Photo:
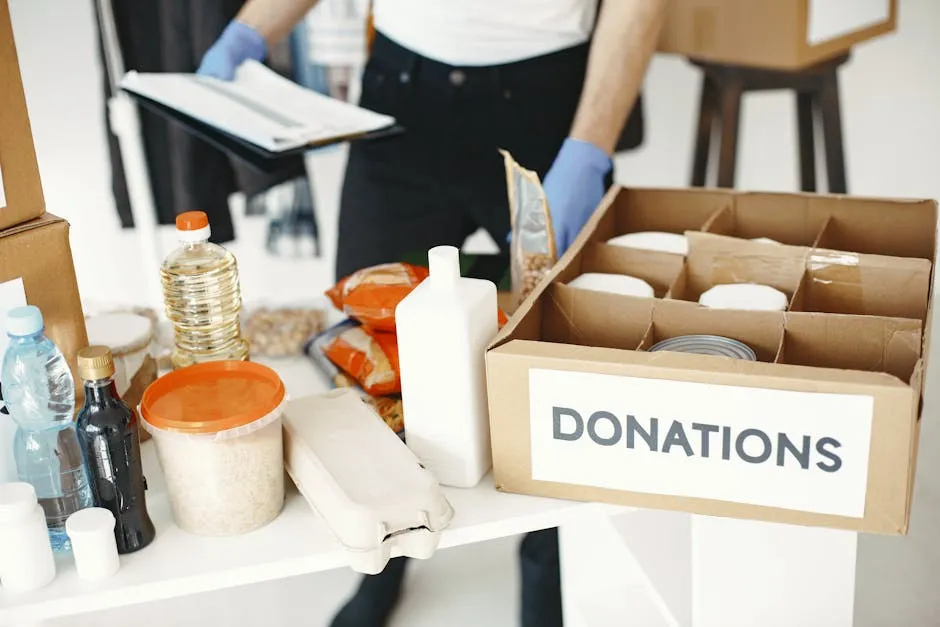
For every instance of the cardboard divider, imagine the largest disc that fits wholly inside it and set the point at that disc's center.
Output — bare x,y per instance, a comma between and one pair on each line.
772,216
865,285
658,269
867,343
762,331
668,210
876,227
720,260
588,318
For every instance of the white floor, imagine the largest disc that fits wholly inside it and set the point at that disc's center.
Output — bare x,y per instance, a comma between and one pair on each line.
891,111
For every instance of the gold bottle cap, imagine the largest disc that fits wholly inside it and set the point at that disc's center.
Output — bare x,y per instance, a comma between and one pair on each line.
95,363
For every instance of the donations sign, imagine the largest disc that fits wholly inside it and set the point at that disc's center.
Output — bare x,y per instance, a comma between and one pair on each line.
776,448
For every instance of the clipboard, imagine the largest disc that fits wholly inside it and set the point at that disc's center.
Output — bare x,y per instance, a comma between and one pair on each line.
251,154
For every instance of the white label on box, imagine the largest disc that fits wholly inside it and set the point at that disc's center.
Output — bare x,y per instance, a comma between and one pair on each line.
12,294
830,19
3,197
777,448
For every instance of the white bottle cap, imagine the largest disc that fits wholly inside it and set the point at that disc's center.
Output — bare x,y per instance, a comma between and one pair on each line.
614,284
17,501
747,296
94,547
653,240
444,265
24,321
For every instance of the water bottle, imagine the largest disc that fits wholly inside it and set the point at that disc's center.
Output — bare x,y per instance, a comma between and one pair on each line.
40,395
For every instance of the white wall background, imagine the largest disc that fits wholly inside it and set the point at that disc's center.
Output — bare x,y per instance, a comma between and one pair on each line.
891,116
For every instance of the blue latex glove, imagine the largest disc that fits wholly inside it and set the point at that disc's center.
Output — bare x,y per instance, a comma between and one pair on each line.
238,43
574,186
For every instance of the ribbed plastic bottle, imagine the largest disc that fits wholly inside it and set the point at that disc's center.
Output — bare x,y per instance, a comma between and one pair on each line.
443,327
107,432
39,392
202,297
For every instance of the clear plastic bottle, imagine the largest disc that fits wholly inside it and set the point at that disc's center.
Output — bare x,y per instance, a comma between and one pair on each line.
202,296
40,394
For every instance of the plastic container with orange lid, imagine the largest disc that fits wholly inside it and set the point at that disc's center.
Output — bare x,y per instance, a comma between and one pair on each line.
217,429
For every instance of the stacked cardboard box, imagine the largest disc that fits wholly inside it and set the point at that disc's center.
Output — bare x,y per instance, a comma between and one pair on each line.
781,34
35,258
20,189
821,430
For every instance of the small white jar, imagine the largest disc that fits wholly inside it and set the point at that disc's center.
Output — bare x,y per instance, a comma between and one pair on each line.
613,284
26,561
744,296
94,547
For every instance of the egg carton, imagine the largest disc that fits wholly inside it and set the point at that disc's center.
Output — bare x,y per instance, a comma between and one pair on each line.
367,486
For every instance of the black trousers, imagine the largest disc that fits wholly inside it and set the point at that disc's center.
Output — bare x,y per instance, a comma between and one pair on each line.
443,178
436,184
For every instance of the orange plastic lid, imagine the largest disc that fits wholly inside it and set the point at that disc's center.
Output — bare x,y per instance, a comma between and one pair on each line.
212,397
192,221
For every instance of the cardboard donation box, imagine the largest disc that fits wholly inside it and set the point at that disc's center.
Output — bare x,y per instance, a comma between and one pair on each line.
782,34
820,430
36,269
20,187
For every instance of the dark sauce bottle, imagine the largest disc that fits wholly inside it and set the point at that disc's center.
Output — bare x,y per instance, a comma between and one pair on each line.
107,431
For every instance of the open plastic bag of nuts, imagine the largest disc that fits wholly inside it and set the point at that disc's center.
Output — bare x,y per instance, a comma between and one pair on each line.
532,247
281,331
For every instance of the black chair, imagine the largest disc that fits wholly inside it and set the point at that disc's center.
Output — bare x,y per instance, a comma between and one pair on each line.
816,88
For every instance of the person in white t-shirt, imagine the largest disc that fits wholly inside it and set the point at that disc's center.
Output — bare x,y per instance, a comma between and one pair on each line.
551,81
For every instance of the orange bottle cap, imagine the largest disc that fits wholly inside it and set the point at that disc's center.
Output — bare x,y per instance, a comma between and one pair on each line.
192,221
211,397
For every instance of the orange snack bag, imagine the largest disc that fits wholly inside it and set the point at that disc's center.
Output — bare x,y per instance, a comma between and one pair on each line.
501,318
369,358
371,295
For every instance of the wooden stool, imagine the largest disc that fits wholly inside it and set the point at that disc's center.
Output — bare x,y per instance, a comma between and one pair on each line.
816,87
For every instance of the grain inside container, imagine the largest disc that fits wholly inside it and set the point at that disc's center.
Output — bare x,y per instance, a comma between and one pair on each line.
217,429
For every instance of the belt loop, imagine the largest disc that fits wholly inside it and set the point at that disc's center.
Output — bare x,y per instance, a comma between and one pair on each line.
408,70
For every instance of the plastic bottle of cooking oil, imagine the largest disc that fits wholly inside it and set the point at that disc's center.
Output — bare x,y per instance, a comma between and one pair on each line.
202,296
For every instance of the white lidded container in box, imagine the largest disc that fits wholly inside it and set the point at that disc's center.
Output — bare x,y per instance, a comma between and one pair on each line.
444,326
359,476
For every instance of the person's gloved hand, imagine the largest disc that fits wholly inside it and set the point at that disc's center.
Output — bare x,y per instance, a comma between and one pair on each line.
237,43
574,186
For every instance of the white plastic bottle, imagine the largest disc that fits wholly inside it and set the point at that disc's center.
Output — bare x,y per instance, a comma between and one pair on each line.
26,561
443,328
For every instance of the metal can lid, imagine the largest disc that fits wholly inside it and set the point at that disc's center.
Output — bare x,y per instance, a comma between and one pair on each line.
706,345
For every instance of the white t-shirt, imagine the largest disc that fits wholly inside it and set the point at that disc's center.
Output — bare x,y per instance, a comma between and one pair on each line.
485,32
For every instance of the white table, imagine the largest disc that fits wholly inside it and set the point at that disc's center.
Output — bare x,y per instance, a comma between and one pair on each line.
650,568
297,542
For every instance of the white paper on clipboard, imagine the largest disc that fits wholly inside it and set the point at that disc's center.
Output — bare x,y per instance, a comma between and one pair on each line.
258,106
830,19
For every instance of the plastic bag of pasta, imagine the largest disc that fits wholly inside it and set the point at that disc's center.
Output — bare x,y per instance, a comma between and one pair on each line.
532,245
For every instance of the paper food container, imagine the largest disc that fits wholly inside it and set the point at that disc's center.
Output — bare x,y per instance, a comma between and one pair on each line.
820,430
363,481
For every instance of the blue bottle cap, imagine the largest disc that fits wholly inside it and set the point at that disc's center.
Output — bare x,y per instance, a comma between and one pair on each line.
22,321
